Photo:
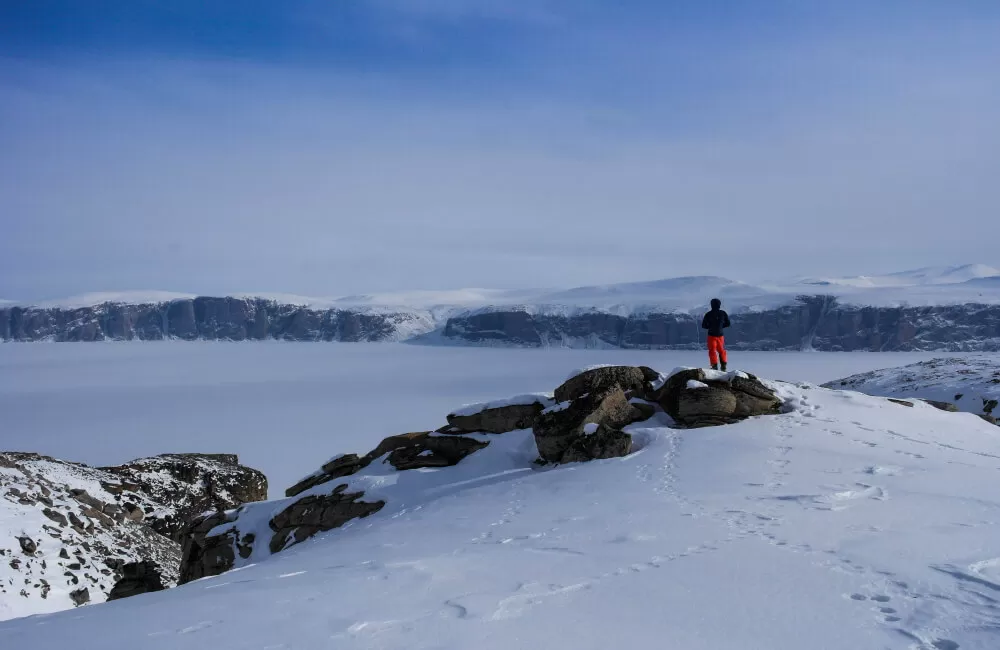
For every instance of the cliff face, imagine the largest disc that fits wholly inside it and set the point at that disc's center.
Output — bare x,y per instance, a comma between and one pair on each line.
227,318
811,322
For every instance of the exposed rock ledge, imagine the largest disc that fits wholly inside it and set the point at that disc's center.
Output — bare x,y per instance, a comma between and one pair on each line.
590,421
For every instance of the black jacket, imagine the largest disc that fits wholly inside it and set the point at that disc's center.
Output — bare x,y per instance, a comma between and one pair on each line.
715,321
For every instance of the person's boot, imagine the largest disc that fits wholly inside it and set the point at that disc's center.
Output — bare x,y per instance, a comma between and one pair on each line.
715,366
723,366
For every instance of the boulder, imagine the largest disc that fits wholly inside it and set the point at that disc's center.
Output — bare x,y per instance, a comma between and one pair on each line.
901,402
432,450
317,513
80,596
137,578
496,420
605,442
133,512
57,517
28,545
630,379
694,400
405,451
558,427
338,467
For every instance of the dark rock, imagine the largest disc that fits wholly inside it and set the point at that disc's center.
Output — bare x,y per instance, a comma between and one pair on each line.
642,411
83,497
432,450
137,578
133,512
558,427
28,545
338,467
596,380
496,420
76,521
57,517
989,405
718,401
197,483
987,417
901,402
603,443
80,596
405,451
202,555
312,514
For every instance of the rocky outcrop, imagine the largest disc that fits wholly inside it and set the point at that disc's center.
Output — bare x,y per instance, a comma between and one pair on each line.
630,379
702,398
209,318
589,424
603,442
404,451
211,542
498,417
89,524
559,427
190,483
811,322
137,578
317,513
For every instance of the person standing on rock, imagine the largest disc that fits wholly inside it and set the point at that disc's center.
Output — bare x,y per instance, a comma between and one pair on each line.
715,322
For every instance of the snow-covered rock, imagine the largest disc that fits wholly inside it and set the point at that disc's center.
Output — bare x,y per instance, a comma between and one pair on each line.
588,425
972,383
66,527
499,416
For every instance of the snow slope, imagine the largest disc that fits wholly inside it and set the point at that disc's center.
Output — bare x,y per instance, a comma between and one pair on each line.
931,275
968,382
68,558
126,297
918,287
848,522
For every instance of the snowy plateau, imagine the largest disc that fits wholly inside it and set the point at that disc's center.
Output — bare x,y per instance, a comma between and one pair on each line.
843,521
941,308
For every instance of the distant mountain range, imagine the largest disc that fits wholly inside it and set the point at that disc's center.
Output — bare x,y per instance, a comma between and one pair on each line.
935,308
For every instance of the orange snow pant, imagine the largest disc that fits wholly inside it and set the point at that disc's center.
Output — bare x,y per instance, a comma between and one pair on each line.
717,349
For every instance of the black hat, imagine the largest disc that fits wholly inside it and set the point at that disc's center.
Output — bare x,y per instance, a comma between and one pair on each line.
716,303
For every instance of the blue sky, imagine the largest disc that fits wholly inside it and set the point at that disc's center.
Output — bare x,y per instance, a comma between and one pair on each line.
344,147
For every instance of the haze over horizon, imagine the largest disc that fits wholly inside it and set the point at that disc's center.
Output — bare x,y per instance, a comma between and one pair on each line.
336,149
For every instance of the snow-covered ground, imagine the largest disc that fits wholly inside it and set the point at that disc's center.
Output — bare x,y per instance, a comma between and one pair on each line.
970,382
285,406
848,522
945,285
